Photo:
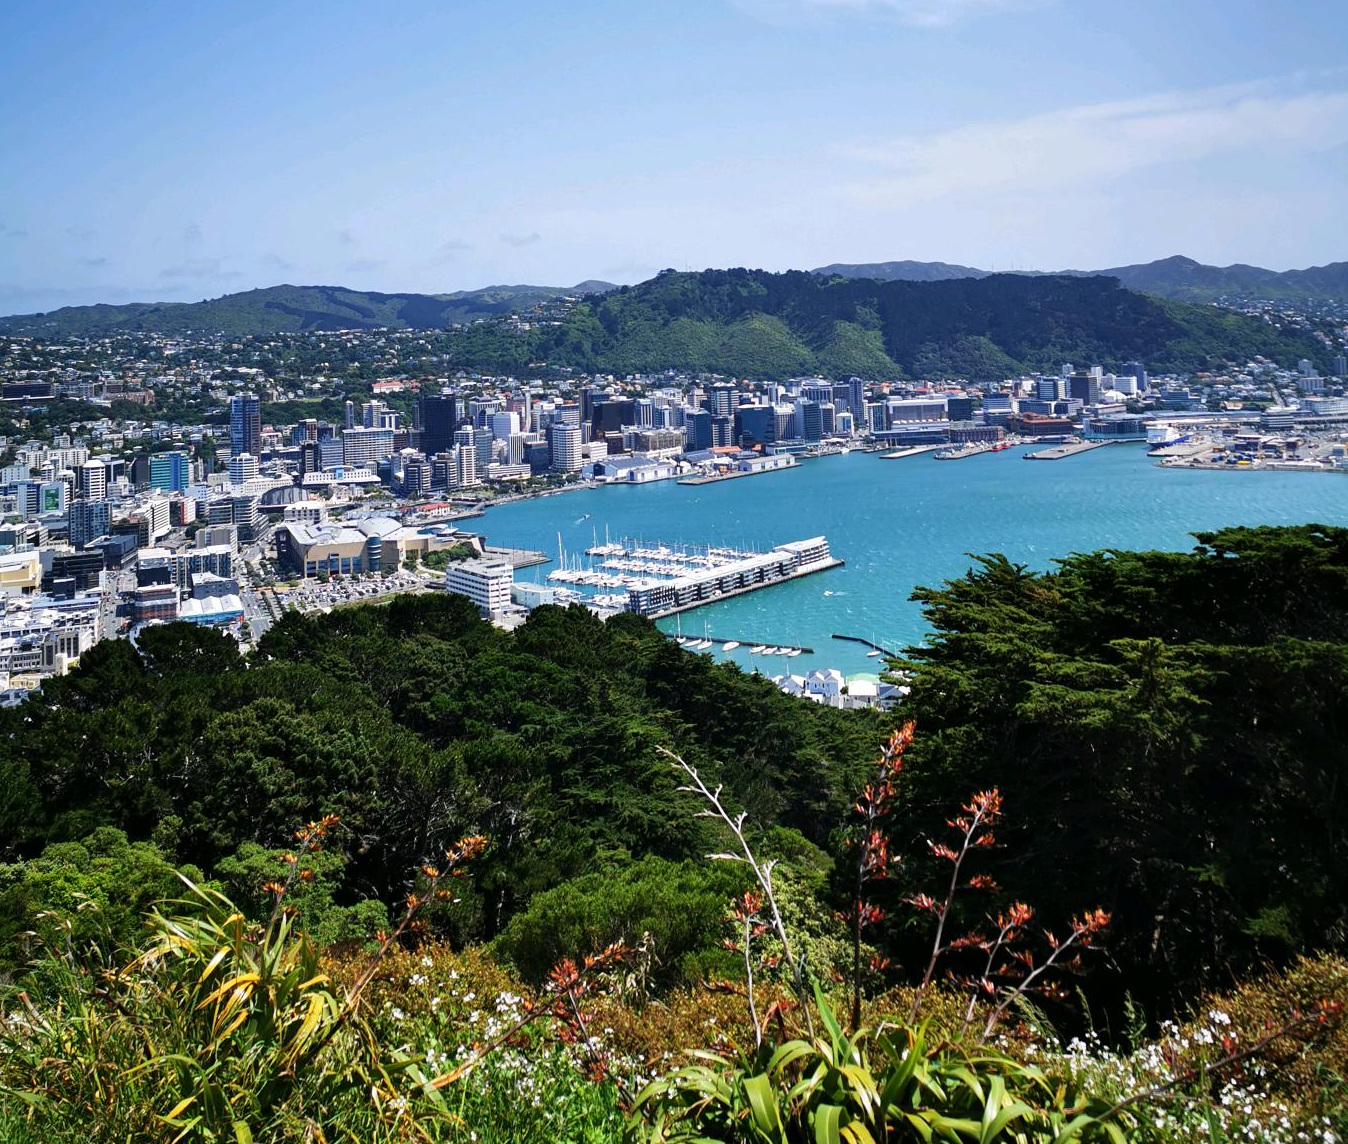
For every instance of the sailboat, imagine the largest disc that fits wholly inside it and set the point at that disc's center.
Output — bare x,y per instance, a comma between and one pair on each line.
730,645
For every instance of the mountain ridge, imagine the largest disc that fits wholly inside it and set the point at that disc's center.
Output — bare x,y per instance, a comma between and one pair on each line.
286,307
1177,276
754,323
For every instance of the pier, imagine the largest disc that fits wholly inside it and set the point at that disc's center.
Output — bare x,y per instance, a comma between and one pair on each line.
875,646
1058,452
692,643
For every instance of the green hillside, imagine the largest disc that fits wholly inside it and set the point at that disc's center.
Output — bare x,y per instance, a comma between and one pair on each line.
278,309
754,323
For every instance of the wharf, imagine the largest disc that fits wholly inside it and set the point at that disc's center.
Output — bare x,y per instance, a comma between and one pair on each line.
745,643
911,451
1058,452
516,557
818,566
713,478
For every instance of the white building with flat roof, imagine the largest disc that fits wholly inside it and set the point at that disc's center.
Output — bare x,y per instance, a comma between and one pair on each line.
486,582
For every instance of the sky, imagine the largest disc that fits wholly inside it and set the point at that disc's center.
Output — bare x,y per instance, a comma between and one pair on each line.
174,151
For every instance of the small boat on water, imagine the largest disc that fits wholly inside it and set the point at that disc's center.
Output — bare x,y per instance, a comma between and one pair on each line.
730,645
795,651
702,645
757,649
872,654
772,651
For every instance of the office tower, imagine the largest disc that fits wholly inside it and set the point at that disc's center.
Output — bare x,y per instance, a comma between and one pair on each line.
504,424
1049,388
959,408
565,447
515,446
465,465
809,425
245,425
856,399
827,413
87,521
350,415
94,480
720,400
170,472
645,412
311,457
439,414
755,425
1138,370
365,448
698,424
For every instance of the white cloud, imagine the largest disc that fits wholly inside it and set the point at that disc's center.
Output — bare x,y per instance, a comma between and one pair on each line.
915,13
1090,145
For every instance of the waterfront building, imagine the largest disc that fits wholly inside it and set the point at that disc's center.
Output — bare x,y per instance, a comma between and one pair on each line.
504,425
245,425
334,549
565,447
487,583
809,420
755,425
901,411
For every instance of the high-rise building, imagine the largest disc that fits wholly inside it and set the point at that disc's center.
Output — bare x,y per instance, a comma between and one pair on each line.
94,480
1341,367
349,415
755,425
698,423
439,414
809,421
482,445
365,448
856,398
515,446
565,443
87,521
1050,388
504,424
465,467
242,468
1138,370
245,425
720,400
170,472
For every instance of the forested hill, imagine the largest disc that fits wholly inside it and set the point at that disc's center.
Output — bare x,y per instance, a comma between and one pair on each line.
757,324
1167,731
1174,277
287,308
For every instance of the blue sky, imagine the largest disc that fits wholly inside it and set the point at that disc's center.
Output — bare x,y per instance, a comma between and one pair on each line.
179,151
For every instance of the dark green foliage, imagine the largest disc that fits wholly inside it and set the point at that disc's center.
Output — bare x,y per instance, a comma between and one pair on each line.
277,308
95,891
671,911
416,723
1168,731
752,323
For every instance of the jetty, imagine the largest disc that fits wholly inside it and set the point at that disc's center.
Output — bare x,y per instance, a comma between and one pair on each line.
717,643
1058,452
870,644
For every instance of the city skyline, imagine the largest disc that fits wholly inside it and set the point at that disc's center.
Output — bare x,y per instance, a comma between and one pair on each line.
168,154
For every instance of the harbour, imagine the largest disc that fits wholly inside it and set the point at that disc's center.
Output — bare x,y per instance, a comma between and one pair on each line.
901,527
1059,452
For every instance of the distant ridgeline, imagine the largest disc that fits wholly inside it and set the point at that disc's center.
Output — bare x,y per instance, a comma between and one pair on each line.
751,323
277,309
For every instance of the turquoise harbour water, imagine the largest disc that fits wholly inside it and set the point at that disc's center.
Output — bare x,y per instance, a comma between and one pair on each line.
898,524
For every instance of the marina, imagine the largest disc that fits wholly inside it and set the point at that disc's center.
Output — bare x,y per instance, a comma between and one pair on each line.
895,540
656,579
